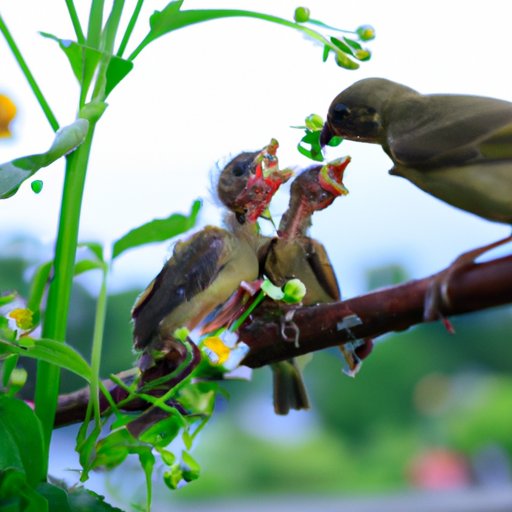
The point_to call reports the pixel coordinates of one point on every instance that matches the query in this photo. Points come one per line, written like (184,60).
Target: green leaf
(162,433)
(84,61)
(86,265)
(95,247)
(199,397)
(114,448)
(9,364)
(14,173)
(117,70)
(10,456)
(164,21)
(325,53)
(56,497)
(83,500)
(335,141)
(353,44)
(17,495)
(168,458)
(7,299)
(171,18)
(37,289)
(21,437)
(309,153)
(157,230)
(173,477)
(51,351)
(190,467)
(341,45)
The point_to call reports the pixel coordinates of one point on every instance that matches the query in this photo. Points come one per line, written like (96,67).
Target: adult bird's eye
(340,111)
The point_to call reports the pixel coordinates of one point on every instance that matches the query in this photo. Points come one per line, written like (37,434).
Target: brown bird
(209,266)
(457,148)
(293,254)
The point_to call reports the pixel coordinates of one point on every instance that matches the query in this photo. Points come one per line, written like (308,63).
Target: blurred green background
(428,410)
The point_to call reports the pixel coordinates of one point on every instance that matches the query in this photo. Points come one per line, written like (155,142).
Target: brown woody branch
(473,288)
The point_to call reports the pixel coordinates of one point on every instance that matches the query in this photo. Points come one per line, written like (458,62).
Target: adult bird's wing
(193,267)
(437,130)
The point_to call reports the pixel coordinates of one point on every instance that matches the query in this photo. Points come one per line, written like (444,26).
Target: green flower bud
(301,14)
(366,32)
(344,62)
(18,377)
(362,54)
(314,122)
(294,291)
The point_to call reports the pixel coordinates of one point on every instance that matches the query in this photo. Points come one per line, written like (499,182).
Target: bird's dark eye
(239,169)
(340,111)
(240,217)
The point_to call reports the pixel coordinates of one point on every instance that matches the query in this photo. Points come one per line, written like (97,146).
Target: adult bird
(209,266)
(457,148)
(293,254)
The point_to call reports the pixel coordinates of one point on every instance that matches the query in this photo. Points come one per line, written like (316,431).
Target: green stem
(112,25)
(97,343)
(75,21)
(57,309)
(28,75)
(243,317)
(190,17)
(95,24)
(129,28)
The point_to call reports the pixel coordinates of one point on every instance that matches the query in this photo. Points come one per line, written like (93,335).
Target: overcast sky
(201,94)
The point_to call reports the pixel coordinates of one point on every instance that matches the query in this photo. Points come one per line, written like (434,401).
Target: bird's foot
(356,350)
(290,331)
(437,297)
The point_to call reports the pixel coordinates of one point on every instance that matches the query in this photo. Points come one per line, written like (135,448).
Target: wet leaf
(51,351)
(14,173)
(21,439)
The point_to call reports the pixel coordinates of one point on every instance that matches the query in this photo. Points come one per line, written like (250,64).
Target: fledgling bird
(209,266)
(293,254)
(457,148)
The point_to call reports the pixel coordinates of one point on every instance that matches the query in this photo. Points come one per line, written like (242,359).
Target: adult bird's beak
(457,148)
(326,135)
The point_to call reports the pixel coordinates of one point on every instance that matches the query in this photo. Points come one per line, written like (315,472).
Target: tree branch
(396,308)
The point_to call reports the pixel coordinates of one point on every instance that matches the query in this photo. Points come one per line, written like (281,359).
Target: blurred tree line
(421,391)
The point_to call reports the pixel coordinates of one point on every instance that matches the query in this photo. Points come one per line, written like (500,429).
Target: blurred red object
(439,469)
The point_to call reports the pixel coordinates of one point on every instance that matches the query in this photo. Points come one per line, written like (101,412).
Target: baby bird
(209,266)
(293,254)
